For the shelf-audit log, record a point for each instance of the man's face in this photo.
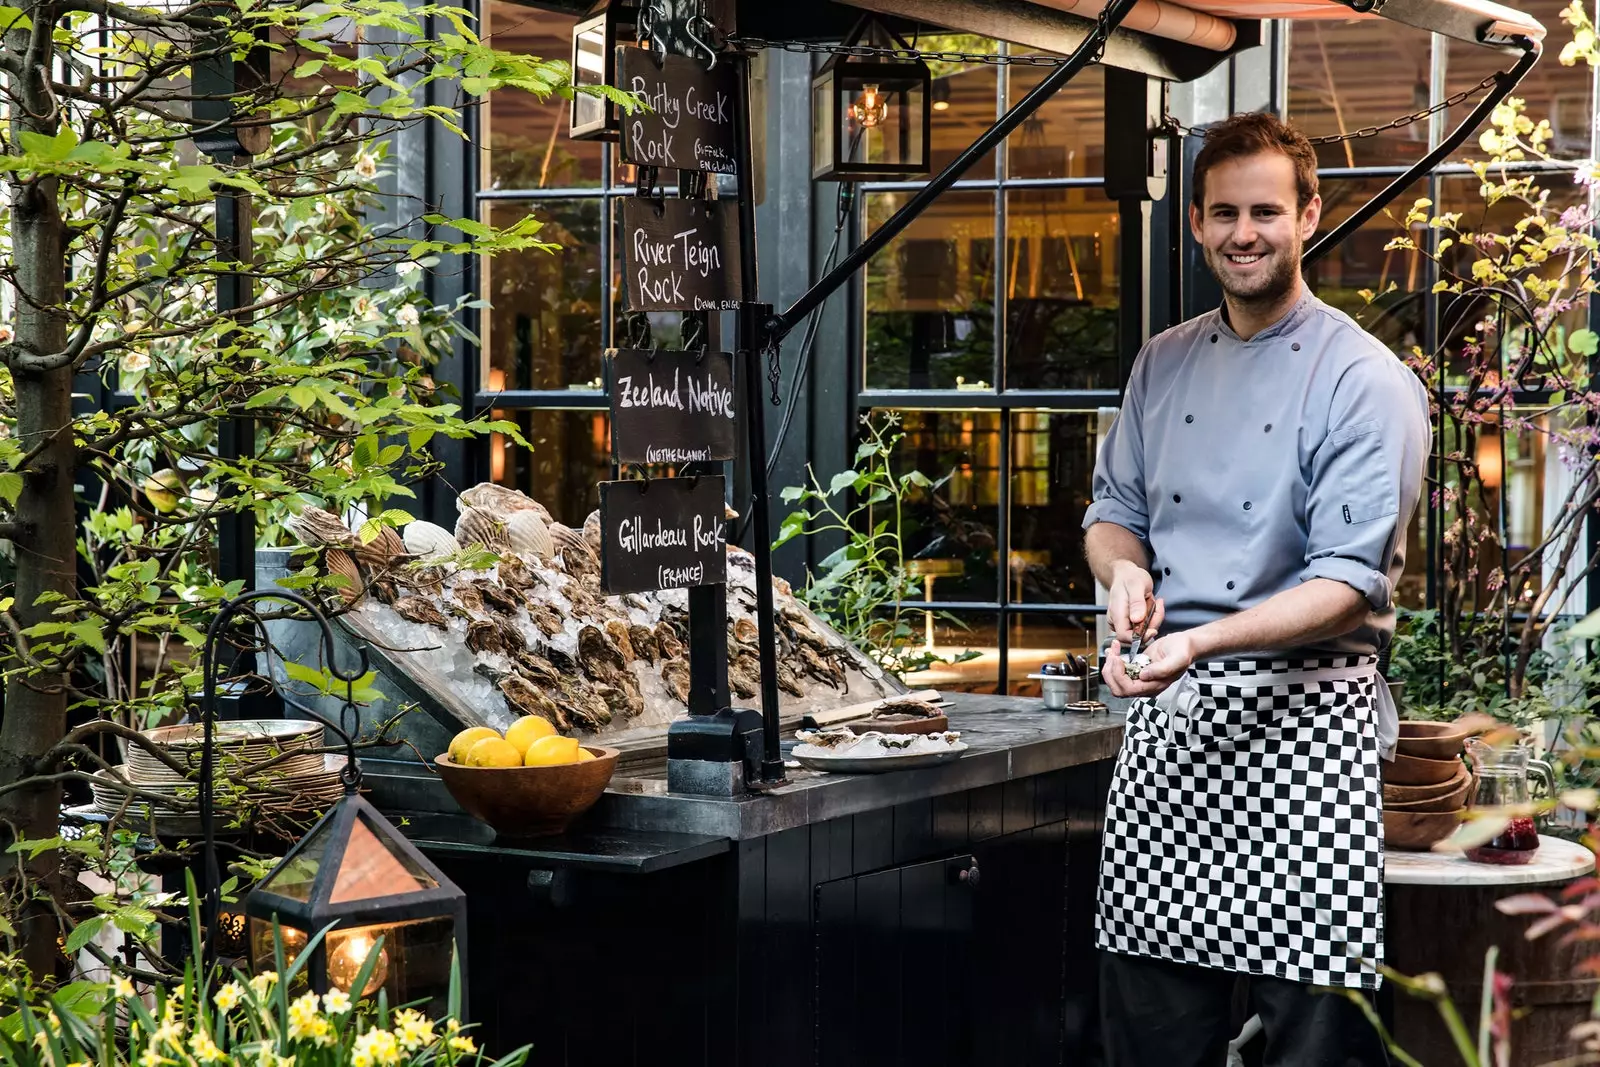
(1251, 229)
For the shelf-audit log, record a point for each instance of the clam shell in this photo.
(430, 541)
(314, 526)
(499, 500)
(478, 527)
(529, 536)
(592, 534)
(381, 551)
(336, 561)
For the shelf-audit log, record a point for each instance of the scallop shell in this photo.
(314, 526)
(503, 502)
(430, 541)
(592, 534)
(529, 536)
(478, 527)
(336, 561)
(381, 551)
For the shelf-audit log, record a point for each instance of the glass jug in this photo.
(1503, 774)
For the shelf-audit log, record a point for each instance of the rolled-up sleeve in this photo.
(1366, 478)
(1118, 487)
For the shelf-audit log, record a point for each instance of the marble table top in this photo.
(1555, 861)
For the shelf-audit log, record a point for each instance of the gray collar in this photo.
(1291, 320)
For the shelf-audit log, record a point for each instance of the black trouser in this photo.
(1160, 1014)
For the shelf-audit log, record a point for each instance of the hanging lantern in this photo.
(870, 115)
(594, 62)
(389, 907)
(1489, 456)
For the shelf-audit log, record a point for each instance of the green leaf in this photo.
(842, 480)
(10, 487)
(13, 18)
(1583, 342)
(85, 931)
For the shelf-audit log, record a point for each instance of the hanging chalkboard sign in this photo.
(690, 122)
(671, 407)
(667, 533)
(680, 255)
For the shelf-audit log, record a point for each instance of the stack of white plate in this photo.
(258, 762)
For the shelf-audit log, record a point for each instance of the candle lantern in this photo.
(870, 117)
(386, 903)
(595, 38)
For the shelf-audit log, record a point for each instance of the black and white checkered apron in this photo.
(1245, 825)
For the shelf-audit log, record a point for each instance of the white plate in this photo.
(821, 759)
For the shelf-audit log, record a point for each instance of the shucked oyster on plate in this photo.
(844, 742)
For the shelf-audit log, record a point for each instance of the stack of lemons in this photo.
(531, 741)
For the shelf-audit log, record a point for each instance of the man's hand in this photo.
(1169, 658)
(1132, 608)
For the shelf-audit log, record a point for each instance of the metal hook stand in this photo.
(350, 776)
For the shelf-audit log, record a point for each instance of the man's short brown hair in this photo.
(1249, 134)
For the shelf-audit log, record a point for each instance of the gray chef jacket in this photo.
(1247, 467)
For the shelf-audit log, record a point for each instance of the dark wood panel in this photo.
(836, 977)
(913, 831)
(1017, 806)
(791, 949)
(874, 840)
(950, 830)
(879, 989)
(983, 813)
(1050, 798)
(751, 1005)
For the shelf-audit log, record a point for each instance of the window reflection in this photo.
(1551, 91)
(954, 634)
(543, 327)
(526, 142)
(963, 100)
(930, 296)
(571, 455)
(1061, 289)
(1052, 466)
(1040, 638)
(1065, 138)
(1351, 73)
(1362, 262)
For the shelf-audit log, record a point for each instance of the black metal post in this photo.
(1505, 81)
(236, 531)
(1087, 52)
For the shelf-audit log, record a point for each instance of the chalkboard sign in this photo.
(671, 407)
(690, 122)
(681, 255)
(668, 533)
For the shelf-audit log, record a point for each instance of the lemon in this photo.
(493, 752)
(528, 729)
(584, 755)
(550, 751)
(466, 739)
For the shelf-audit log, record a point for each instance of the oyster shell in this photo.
(597, 655)
(667, 640)
(339, 563)
(526, 698)
(618, 632)
(546, 618)
(675, 676)
(515, 574)
(484, 636)
(420, 609)
(429, 541)
(386, 590)
(622, 698)
(584, 705)
(643, 640)
(745, 631)
(788, 681)
(469, 598)
(529, 537)
(314, 526)
(497, 597)
(483, 529)
(500, 500)
(741, 683)
(538, 670)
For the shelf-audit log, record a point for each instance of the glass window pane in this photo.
(1061, 289)
(1362, 262)
(1052, 466)
(1066, 137)
(930, 296)
(953, 635)
(964, 99)
(1038, 639)
(525, 141)
(571, 455)
(543, 326)
(1551, 91)
(949, 529)
(1346, 74)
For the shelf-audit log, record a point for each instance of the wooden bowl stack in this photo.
(1425, 787)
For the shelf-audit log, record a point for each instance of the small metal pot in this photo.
(1058, 690)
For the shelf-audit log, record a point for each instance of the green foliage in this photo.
(863, 587)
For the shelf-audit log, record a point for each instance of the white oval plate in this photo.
(820, 759)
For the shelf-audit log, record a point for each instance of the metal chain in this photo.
(862, 51)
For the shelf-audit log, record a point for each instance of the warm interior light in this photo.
(1490, 457)
(497, 442)
(347, 954)
(941, 94)
(870, 107)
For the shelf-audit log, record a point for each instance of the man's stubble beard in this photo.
(1273, 289)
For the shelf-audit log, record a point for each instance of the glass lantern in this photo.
(594, 62)
(870, 118)
(386, 904)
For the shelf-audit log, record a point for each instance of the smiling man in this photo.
(1251, 500)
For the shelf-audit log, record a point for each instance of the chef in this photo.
(1250, 504)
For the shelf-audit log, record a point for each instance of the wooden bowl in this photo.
(1418, 831)
(1410, 794)
(1455, 799)
(1432, 740)
(1414, 770)
(529, 801)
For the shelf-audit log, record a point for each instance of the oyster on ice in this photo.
(599, 658)
(500, 500)
(420, 609)
(643, 640)
(617, 630)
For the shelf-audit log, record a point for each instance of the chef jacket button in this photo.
(1295, 347)
(1167, 571)
(1176, 499)
(1213, 338)
(1268, 429)
(1188, 418)
(1230, 585)
(1247, 505)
